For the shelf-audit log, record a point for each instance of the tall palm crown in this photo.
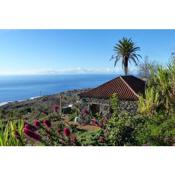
(126, 50)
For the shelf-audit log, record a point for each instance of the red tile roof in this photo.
(126, 88)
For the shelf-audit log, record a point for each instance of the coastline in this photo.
(42, 102)
(31, 98)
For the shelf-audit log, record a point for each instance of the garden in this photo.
(152, 126)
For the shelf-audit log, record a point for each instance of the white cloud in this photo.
(76, 70)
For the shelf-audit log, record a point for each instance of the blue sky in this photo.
(76, 51)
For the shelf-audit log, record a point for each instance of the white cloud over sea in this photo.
(76, 70)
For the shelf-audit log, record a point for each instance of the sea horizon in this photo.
(24, 87)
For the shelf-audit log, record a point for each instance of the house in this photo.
(128, 88)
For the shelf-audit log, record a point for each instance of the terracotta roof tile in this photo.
(126, 88)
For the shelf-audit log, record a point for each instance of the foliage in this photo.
(44, 133)
(114, 102)
(119, 131)
(159, 94)
(11, 133)
(144, 68)
(92, 138)
(157, 130)
(153, 125)
(126, 50)
(120, 128)
(158, 108)
(149, 103)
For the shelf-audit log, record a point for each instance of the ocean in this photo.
(18, 88)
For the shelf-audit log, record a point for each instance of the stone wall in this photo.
(124, 106)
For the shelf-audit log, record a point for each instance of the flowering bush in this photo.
(45, 134)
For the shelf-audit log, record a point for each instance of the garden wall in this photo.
(124, 106)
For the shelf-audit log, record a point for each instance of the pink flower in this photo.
(31, 134)
(37, 123)
(30, 127)
(47, 123)
(66, 132)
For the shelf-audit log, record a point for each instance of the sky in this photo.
(76, 51)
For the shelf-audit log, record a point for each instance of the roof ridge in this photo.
(106, 82)
(133, 77)
(129, 86)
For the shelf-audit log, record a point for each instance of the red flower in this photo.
(66, 132)
(47, 123)
(30, 127)
(37, 123)
(31, 134)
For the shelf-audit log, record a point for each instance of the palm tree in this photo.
(126, 50)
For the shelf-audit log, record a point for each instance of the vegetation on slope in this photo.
(153, 125)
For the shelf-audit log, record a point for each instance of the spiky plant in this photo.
(11, 133)
(159, 91)
(148, 104)
(171, 68)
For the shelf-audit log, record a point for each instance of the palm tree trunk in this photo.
(126, 66)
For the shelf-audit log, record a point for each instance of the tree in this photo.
(144, 68)
(126, 50)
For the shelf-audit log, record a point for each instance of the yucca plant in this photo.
(149, 103)
(164, 87)
(159, 94)
(171, 68)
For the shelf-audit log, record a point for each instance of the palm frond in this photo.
(126, 50)
(133, 59)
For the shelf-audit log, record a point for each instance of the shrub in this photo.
(159, 94)
(157, 130)
(11, 133)
(92, 138)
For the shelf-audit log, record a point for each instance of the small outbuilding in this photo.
(128, 89)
